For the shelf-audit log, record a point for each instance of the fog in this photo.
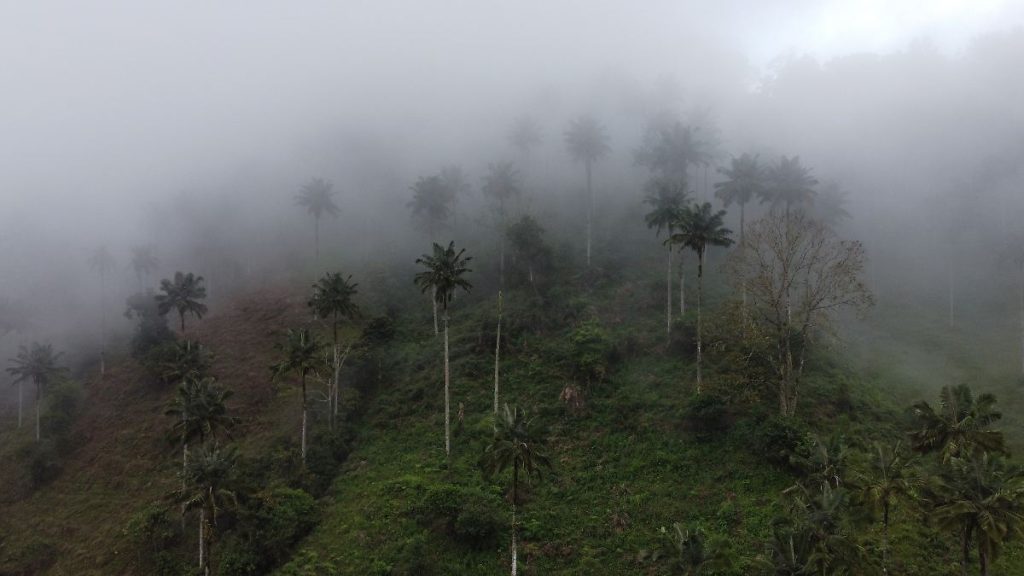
(190, 126)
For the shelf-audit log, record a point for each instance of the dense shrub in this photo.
(468, 515)
(780, 441)
(705, 415)
(152, 329)
(150, 534)
(266, 529)
(590, 352)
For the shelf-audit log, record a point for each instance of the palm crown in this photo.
(517, 444)
(586, 140)
(697, 227)
(667, 198)
(444, 273)
(301, 354)
(144, 261)
(789, 183)
(670, 150)
(200, 411)
(502, 183)
(962, 427)
(332, 297)
(317, 196)
(431, 201)
(745, 178)
(37, 364)
(182, 294)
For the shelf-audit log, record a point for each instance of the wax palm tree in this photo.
(830, 205)
(443, 276)
(817, 520)
(302, 356)
(524, 135)
(670, 148)
(518, 443)
(502, 184)
(333, 298)
(431, 203)
(890, 479)
(981, 498)
(317, 196)
(144, 262)
(208, 488)
(745, 179)
(454, 181)
(587, 142)
(789, 184)
(697, 228)
(182, 294)
(961, 428)
(199, 409)
(187, 361)
(666, 198)
(39, 365)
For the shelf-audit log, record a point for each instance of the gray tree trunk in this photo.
(497, 355)
(668, 299)
(20, 397)
(433, 298)
(37, 413)
(447, 396)
(700, 289)
(303, 419)
(590, 210)
(1021, 324)
(682, 284)
(202, 538)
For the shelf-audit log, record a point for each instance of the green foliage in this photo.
(780, 440)
(705, 416)
(466, 514)
(152, 331)
(182, 294)
(41, 460)
(267, 528)
(590, 352)
(308, 563)
(151, 534)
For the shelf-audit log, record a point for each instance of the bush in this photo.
(151, 533)
(41, 460)
(308, 563)
(268, 526)
(152, 330)
(468, 515)
(590, 352)
(706, 415)
(780, 441)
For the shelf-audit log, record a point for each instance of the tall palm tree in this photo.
(333, 298)
(208, 488)
(455, 183)
(745, 179)
(187, 361)
(789, 184)
(144, 262)
(182, 294)
(443, 276)
(38, 364)
(890, 478)
(670, 148)
(301, 357)
(982, 499)
(431, 203)
(502, 184)
(830, 205)
(697, 228)
(102, 263)
(317, 196)
(200, 412)
(524, 135)
(666, 199)
(961, 428)
(587, 142)
(518, 443)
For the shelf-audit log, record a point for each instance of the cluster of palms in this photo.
(969, 489)
(333, 299)
(39, 365)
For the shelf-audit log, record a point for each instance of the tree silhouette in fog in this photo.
(182, 294)
(587, 143)
(317, 196)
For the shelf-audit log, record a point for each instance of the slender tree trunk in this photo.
(433, 298)
(515, 529)
(965, 550)
(951, 300)
(743, 281)
(983, 562)
(700, 289)
(447, 396)
(1021, 321)
(590, 209)
(316, 238)
(303, 418)
(497, 356)
(202, 538)
(184, 466)
(20, 397)
(103, 323)
(332, 405)
(38, 394)
(181, 314)
(668, 299)
(885, 538)
(682, 283)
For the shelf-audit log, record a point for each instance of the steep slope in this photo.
(123, 461)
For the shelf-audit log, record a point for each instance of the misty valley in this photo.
(569, 288)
